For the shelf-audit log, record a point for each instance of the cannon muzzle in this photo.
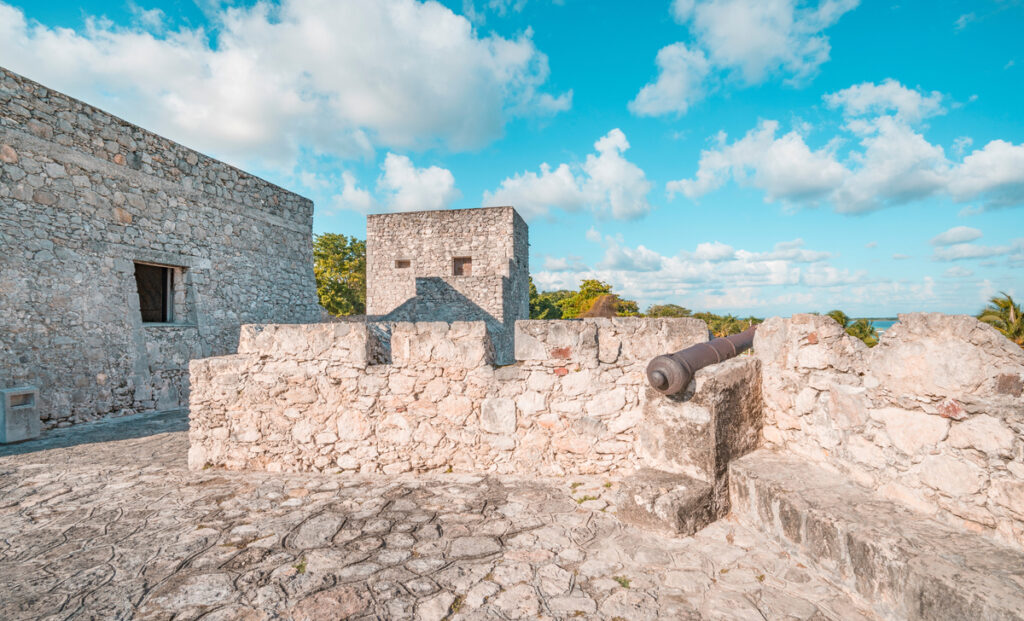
(671, 374)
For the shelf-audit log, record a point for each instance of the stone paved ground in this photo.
(104, 521)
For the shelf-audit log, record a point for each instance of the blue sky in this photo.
(756, 157)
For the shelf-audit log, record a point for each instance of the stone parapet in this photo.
(301, 398)
(932, 417)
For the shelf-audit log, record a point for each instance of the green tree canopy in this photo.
(858, 328)
(668, 310)
(1005, 315)
(339, 263)
(580, 301)
(545, 305)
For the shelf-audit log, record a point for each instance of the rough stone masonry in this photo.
(125, 255)
(451, 265)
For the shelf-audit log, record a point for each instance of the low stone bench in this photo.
(904, 564)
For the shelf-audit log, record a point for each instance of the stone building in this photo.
(125, 255)
(454, 265)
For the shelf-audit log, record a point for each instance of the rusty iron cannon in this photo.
(671, 373)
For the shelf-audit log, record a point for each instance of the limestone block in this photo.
(865, 452)
(983, 433)
(603, 404)
(945, 356)
(847, 405)
(911, 431)
(530, 402)
(951, 475)
(1008, 493)
(636, 340)
(568, 341)
(665, 501)
(462, 344)
(498, 415)
(335, 342)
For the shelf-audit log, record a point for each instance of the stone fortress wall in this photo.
(83, 196)
(932, 417)
(316, 397)
(411, 269)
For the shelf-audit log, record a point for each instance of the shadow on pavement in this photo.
(106, 430)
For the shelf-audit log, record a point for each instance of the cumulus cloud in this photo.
(339, 77)
(762, 37)
(709, 270)
(606, 183)
(785, 168)
(956, 235)
(994, 174)
(713, 251)
(889, 163)
(896, 166)
(680, 83)
(750, 39)
(401, 186)
(890, 96)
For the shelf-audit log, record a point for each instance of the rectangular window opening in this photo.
(156, 292)
(23, 400)
(462, 266)
(402, 264)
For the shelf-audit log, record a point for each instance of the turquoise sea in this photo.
(881, 325)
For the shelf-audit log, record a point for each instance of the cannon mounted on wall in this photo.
(671, 373)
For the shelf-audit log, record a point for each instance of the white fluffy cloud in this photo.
(896, 166)
(889, 163)
(761, 37)
(956, 235)
(342, 77)
(994, 173)
(400, 187)
(785, 168)
(709, 276)
(890, 96)
(961, 251)
(606, 183)
(750, 39)
(682, 73)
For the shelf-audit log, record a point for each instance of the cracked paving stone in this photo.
(473, 547)
(105, 521)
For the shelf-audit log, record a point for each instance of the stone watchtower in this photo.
(453, 265)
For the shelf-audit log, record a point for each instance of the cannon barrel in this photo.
(671, 373)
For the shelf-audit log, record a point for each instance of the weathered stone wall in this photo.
(932, 417)
(425, 289)
(84, 195)
(312, 398)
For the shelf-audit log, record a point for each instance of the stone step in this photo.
(902, 563)
(666, 501)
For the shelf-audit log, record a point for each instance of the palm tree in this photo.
(1003, 314)
(858, 328)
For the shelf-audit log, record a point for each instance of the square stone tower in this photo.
(453, 265)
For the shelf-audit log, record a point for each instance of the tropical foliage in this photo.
(668, 310)
(339, 263)
(544, 305)
(858, 328)
(1005, 315)
(724, 325)
(571, 304)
